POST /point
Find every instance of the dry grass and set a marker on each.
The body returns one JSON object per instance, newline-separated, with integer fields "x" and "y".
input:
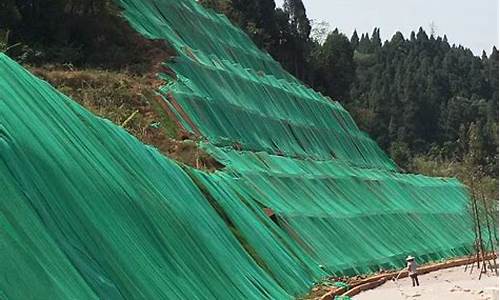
{"x": 123, "y": 96}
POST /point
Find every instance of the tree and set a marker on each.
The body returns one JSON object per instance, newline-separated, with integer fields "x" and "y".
{"x": 9, "y": 15}
{"x": 299, "y": 41}
{"x": 298, "y": 18}
{"x": 320, "y": 31}
{"x": 376, "y": 41}
{"x": 257, "y": 18}
{"x": 335, "y": 66}
{"x": 354, "y": 40}
{"x": 364, "y": 45}
{"x": 400, "y": 153}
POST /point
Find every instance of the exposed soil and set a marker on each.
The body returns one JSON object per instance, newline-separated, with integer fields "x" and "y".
{"x": 129, "y": 100}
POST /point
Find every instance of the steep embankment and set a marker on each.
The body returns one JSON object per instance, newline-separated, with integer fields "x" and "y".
{"x": 296, "y": 153}
{"x": 87, "y": 211}
{"x": 90, "y": 212}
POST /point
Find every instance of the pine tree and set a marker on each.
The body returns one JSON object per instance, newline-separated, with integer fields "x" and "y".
{"x": 299, "y": 42}
{"x": 335, "y": 66}
{"x": 364, "y": 44}
{"x": 376, "y": 41}
{"x": 298, "y": 18}
{"x": 354, "y": 40}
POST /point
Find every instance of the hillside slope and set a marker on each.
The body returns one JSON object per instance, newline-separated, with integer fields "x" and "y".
{"x": 304, "y": 193}
{"x": 296, "y": 152}
{"x": 88, "y": 212}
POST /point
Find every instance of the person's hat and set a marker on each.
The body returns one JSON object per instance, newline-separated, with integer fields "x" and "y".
{"x": 410, "y": 258}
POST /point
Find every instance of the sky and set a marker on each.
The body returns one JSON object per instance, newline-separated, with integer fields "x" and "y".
{"x": 471, "y": 23}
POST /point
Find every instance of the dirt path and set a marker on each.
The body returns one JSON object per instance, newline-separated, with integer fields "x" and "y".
{"x": 448, "y": 284}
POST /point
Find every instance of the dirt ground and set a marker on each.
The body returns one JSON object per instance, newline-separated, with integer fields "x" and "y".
{"x": 448, "y": 284}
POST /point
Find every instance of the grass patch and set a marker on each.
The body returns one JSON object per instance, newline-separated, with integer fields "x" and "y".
{"x": 128, "y": 100}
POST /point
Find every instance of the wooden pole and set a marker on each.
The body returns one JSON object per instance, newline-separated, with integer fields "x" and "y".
{"x": 487, "y": 217}
{"x": 474, "y": 245}
{"x": 480, "y": 241}
{"x": 477, "y": 227}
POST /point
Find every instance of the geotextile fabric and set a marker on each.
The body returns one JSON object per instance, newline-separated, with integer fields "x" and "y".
{"x": 87, "y": 211}
{"x": 349, "y": 220}
{"x": 235, "y": 93}
{"x": 290, "y": 150}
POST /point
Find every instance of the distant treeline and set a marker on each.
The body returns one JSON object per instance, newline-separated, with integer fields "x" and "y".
{"x": 415, "y": 96}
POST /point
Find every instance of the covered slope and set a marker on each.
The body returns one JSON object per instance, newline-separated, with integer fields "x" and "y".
{"x": 292, "y": 150}
{"x": 350, "y": 220}
{"x": 92, "y": 213}
{"x": 88, "y": 212}
{"x": 232, "y": 93}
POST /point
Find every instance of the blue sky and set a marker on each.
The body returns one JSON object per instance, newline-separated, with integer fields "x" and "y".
{"x": 473, "y": 24}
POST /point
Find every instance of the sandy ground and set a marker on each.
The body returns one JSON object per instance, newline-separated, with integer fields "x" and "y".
{"x": 448, "y": 284}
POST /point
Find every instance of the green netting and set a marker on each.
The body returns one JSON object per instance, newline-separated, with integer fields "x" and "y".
{"x": 341, "y": 284}
{"x": 274, "y": 249}
{"x": 236, "y": 94}
{"x": 347, "y": 219}
{"x": 264, "y": 114}
{"x": 89, "y": 212}
{"x": 194, "y": 31}
{"x": 337, "y": 196}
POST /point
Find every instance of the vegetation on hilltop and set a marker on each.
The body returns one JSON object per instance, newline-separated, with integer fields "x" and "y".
{"x": 76, "y": 33}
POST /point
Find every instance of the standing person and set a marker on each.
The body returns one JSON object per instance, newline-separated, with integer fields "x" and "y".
{"x": 411, "y": 266}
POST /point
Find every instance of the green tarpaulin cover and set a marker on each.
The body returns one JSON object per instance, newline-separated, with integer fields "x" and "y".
{"x": 87, "y": 211}
{"x": 287, "y": 148}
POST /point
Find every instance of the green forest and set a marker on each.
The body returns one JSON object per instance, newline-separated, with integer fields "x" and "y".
{"x": 432, "y": 105}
